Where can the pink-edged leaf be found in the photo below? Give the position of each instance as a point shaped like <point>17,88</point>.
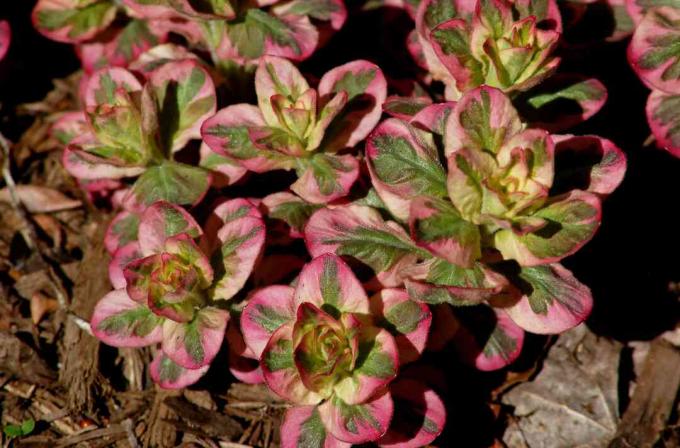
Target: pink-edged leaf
<point>278,368</point>
<point>405,108</point>
<point>438,281</point>
<point>326,177</point>
<point>290,36</point>
<point>240,241</point>
<point>415,49</point>
<point>433,118</point>
<point>161,221</point>
<point>194,344</point>
<point>267,310</point>
<point>102,85</point>
<point>243,363</point>
<point>403,165</point>
<point>572,219</point>
<point>170,375</point>
<point>72,21</point>
<point>555,301</point>
<point>84,165</point>
<point>121,231</point>
<point>205,10</point>
<point>333,11</point>
<point>653,51</point>
<point>429,15</point>
<point>119,47</point>
<point>5,38</point>
<point>159,55</point>
<point>359,423</point>
<point>124,255</point>
<point>289,208</point>
<point>487,338</point>
<point>589,163</point>
<point>419,415</point>
<point>484,118</point>
<point>451,43</point>
<point>362,233</point>
<point>328,282</point>
<point>246,370</point>
<point>663,118</point>
<point>408,321</point>
<point>546,11</point>
<point>152,9</point>
<point>637,9</point>
<point>376,366</point>
<point>262,33</point>
<point>277,76</point>
<point>119,321</point>
<point>437,226</point>
<point>302,427</point>
<point>226,170</point>
<point>69,126</point>
<point>366,90</point>
<point>563,101</point>
<point>186,97</point>
<point>228,133</point>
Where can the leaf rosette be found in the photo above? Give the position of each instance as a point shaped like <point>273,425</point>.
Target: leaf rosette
<point>169,284</point>
<point>134,131</point>
<point>481,216</point>
<point>653,53</point>
<point>333,352</point>
<point>296,127</point>
<point>242,32</point>
<point>507,45</point>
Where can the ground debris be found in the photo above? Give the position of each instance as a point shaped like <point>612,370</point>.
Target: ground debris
<point>573,402</point>
<point>652,403</point>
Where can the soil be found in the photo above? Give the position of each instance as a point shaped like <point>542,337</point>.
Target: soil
<point>82,393</point>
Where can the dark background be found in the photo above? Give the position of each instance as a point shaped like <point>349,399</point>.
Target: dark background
<point>628,265</point>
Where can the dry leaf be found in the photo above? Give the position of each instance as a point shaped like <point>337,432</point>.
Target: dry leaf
<point>41,304</point>
<point>573,402</point>
<point>41,199</point>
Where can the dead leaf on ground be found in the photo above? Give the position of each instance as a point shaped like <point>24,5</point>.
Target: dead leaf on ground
<point>39,199</point>
<point>573,402</point>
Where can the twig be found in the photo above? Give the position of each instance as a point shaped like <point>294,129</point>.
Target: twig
<point>112,431</point>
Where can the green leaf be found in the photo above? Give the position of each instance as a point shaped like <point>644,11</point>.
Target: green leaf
<point>138,322</point>
<point>173,182</point>
<point>294,213</point>
<point>26,427</point>
<point>80,19</point>
<point>397,162</point>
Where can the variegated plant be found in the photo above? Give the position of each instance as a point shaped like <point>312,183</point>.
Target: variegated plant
<point>333,352</point>
<point>508,45</point>
<point>298,127</point>
<point>101,41</point>
<point>172,286</point>
<point>244,31</point>
<point>483,218</point>
<point>5,37</point>
<point>135,130</point>
<point>655,56</point>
